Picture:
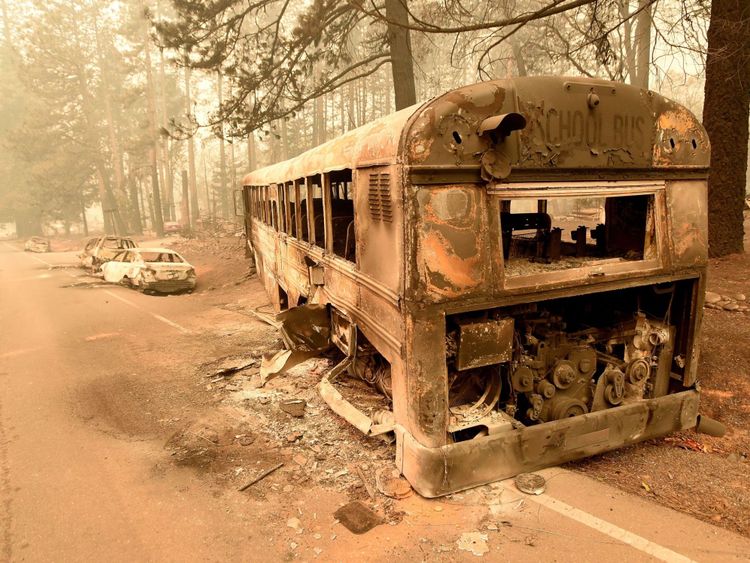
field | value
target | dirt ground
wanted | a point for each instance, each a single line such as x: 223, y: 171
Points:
x: 218, y: 421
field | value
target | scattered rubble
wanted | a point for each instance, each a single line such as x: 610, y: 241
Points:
x: 391, y: 483
x: 287, y: 421
x: 736, y: 302
x: 475, y: 542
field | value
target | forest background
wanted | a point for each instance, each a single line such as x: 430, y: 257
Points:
x: 125, y: 115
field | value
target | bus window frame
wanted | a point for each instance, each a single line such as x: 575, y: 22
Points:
x: 252, y: 202
x: 274, y: 203
x: 310, y: 211
x: 280, y: 204
x: 327, y: 213
x: 284, y: 189
x: 263, y: 210
x: 297, y: 210
x: 548, y: 190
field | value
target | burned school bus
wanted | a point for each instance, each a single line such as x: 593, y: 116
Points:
x: 517, y: 265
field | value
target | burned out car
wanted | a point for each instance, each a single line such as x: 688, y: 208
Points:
x: 37, y: 244
x: 159, y: 270
x: 101, y: 249
x: 519, y: 266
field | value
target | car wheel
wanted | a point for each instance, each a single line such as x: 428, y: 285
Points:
x: 141, y: 284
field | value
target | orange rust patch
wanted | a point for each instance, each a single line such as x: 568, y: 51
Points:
x: 462, y: 274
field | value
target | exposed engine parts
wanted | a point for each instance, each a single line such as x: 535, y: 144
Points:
x: 551, y: 371
x: 560, y: 374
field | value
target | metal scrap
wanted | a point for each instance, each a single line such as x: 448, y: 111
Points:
x: 530, y: 483
x: 357, y: 518
x: 260, y: 477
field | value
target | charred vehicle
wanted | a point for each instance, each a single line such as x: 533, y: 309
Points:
x: 99, y: 250
x: 37, y: 244
x: 518, y: 265
x: 157, y: 270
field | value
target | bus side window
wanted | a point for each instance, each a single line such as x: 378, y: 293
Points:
x: 280, y: 201
x: 316, y: 210
x: 302, y: 192
x: 261, y: 205
x: 342, y: 214
x: 292, y: 199
x: 266, y: 210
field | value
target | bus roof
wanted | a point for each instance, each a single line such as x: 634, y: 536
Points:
x: 568, y: 123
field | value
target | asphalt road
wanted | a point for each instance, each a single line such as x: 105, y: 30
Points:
x: 74, y: 489
x: 70, y: 491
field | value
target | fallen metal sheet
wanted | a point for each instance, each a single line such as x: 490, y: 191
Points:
x: 281, y: 361
x: 233, y: 365
x: 345, y: 409
x: 306, y: 328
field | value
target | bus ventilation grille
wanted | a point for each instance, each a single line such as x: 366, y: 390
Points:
x: 379, y: 197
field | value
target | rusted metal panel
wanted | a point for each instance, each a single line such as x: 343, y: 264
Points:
x: 681, y: 140
x: 451, y: 249
x: 687, y: 204
x: 426, y: 379
x: 379, y: 219
x: 484, y: 343
x: 436, y: 471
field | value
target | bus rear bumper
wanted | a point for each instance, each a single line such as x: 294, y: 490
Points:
x: 434, y: 472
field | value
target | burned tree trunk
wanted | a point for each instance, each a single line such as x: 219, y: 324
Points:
x: 251, y: 156
x: 224, y: 196
x: 725, y: 116
x: 158, y: 217
x: 402, y: 65
x: 192, y: 184
x: 166, y: 173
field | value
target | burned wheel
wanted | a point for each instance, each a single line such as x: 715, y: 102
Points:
x: 138, y: 283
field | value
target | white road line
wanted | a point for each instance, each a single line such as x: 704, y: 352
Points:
x: 170, y: 323
x: 620, y: 534
x: 42, y: 261
x: 18, y: 352
x: 157, y: 317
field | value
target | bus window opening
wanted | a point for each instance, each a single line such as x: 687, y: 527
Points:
x: 342, y: 214
x: 560, y: 233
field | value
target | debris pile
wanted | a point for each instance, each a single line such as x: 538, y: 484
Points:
x: 284, y: 422
x: 736, y: 302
